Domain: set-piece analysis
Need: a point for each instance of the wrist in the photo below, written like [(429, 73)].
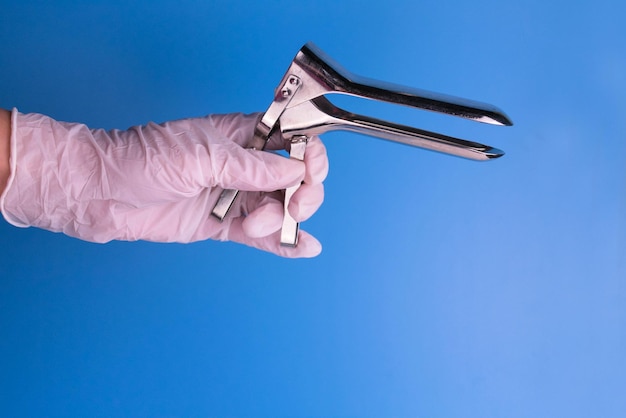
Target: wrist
[(5, 141)]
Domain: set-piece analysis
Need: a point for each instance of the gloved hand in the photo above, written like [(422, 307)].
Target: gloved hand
[(159, 182)]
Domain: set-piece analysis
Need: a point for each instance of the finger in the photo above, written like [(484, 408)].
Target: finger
[(237, 127), (315, 157), (316, 161), (264, 220), (308, 246), (233, 167), (306, 201)]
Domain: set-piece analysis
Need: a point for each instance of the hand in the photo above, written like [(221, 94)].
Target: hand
[(159, 182)]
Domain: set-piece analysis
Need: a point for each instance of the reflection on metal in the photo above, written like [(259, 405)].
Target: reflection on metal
[(289, 231), (300, 109)]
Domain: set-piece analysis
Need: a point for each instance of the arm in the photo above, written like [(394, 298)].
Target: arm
[(5, 139)]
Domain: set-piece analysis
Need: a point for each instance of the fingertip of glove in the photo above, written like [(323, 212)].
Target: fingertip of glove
[(308, 246)]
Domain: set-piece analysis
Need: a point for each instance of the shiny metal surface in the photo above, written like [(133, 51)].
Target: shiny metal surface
[(300, 109), (224, 203), (328, 76), (290, 228), (319, 116)]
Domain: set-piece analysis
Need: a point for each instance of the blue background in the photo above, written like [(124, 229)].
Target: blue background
[(446, 288)]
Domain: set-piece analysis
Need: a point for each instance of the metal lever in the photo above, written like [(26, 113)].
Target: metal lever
[(289, 232)]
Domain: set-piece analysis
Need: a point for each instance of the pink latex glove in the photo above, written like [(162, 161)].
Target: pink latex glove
[(158, 182)]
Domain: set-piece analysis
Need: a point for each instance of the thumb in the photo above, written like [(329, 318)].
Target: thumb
[(234, 167)]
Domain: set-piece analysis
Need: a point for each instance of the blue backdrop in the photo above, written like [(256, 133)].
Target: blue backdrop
[(446, 288)]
